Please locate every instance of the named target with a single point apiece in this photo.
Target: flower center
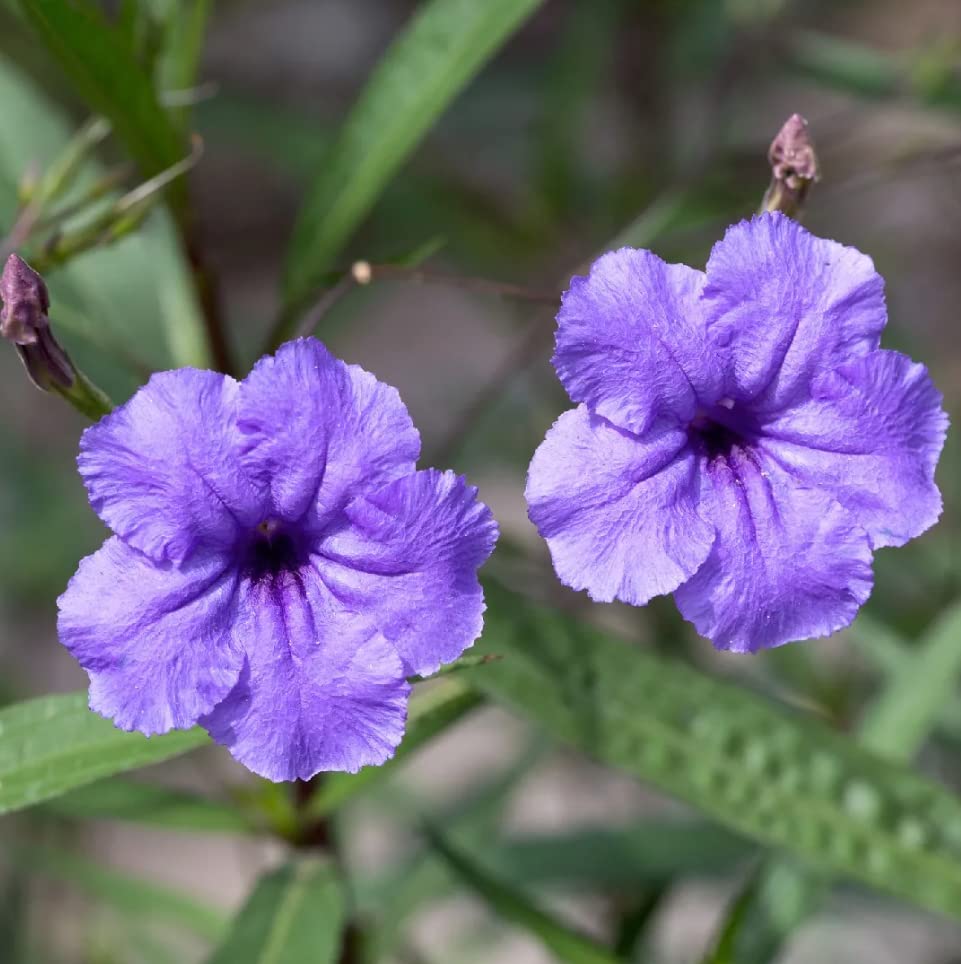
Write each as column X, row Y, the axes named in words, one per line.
column 273, row 548
column 721, row 430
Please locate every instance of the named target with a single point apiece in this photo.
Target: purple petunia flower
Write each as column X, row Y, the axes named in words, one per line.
column 278, row 567
column 742, row 441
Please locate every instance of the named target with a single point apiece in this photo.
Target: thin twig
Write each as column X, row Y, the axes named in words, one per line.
column 104, row 185
column 362, row 273
column 530, row 350
column 161, row 180
column 324, row 304
column 506, row 289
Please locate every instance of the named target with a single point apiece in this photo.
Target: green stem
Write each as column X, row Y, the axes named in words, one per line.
column 86, row 397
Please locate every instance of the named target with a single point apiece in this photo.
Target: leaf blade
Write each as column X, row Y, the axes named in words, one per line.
column 720, row 748
column 295, row 914
column 136, row 295
column 55, row 743
column 428, row 64
column 131, row 895
column 150, row 805
column 895, row 725
column 91, row 53
column 567, row 944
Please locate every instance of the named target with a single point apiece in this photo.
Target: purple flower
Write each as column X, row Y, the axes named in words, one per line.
column 741, row 439
column 278, row 566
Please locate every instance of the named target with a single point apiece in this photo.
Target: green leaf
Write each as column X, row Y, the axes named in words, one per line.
column 147, row 803
column 778, row 778
column 295, row 914
column 53, row 744
column 562, row 941
column 136, row 295
column 725, row 947
column 107, row 76
column 617, row 858
column 431, row 711
column 781, row 895
column 128, row 894
column 612, row 860
column 395, row 894
column 867, row 72
column 428, row 64
column 899, row 721
column 185, row 24
column 892, row 655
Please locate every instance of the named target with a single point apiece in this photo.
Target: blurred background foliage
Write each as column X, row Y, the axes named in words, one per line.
column 608, row 788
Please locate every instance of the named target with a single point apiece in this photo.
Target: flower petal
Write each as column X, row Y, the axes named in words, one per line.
column 871, row 435
column 317, row 692
column 317, row 431
column 620, row 513
column 784, row 305
column 632, row 342
column 157, row 640
column 789, row 563
column 408, row 562
column 163, row 470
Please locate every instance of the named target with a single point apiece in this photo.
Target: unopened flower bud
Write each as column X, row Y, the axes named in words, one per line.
column 794, row 168
column 47, row 364
column 24, row 321
column 25, row 302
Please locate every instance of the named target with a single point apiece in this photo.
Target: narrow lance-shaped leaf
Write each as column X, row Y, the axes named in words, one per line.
column 429, row 63
column 53, row 744
column 133, row 298
column 107, row 76
column 900, row 719
column 618, row 858
column 131, row 895
column 295, row 914
column 869, row 72
column 778, row 778
column 151, row 805
column 782, row 894
column 566, row 944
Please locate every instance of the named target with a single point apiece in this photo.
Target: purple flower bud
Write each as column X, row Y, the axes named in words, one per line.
column 47, row 364
column 25, row 302
column 24, row 321
column 794, row 167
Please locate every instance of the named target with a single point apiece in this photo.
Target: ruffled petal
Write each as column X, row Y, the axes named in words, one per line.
column 621, row 514
column 406, row 559
column 632, row 341
column 157, row 640
column 789, row 563
column 783, row 305
column 163, row 470
column 318, row 691
column 317, row 431
column 871, row 435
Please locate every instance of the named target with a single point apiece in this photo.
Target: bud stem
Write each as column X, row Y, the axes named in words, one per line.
column 86, row 397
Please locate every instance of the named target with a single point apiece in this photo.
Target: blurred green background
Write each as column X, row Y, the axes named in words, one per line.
column 595, row 119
